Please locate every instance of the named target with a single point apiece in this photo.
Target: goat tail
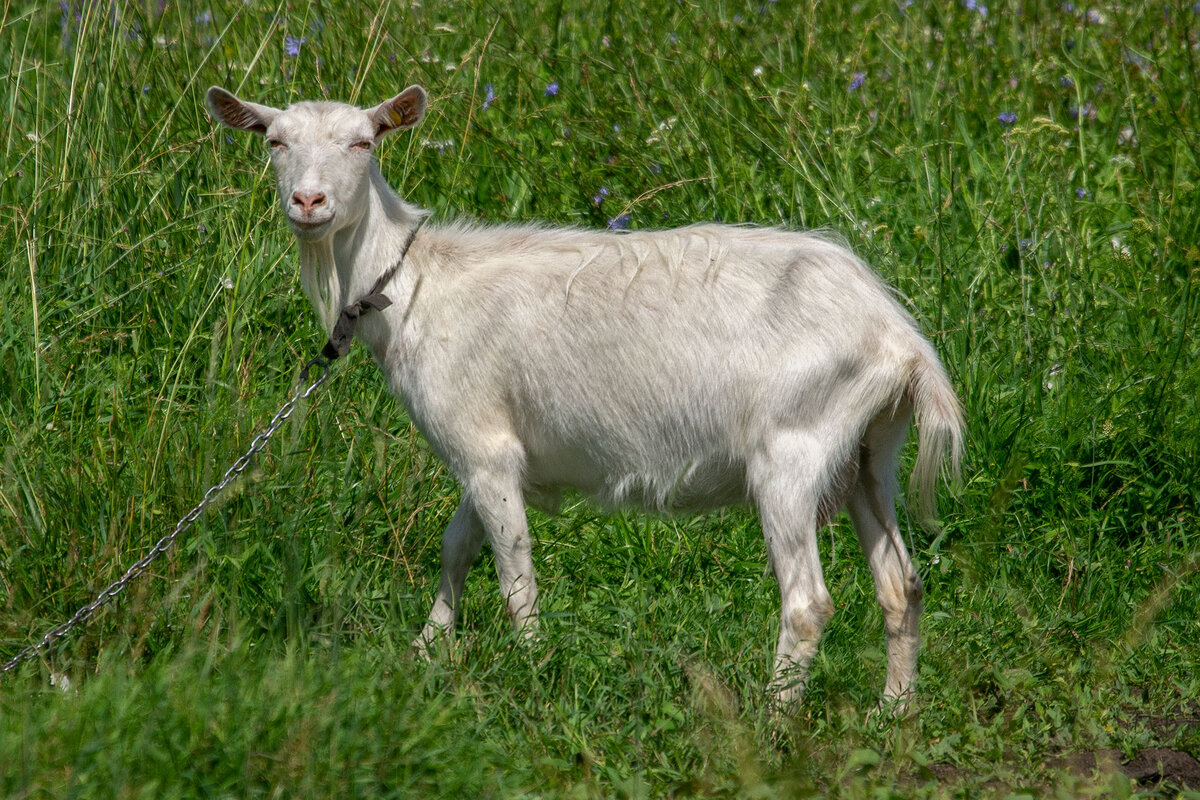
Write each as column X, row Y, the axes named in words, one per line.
column 939, row 421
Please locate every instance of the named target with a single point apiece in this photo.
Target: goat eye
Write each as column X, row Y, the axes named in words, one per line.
column 276, row 144
column 364, row 144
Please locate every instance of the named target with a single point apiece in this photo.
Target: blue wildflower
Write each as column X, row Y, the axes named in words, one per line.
column 552, row 89
column 1007, row 117
column 599, row 196
column 291, row 45
column 488, row 98
column 1086, row 111
column 204, row 18
column 858, row 79
column 620, row 223
column 1081, row 193
column 1066, row 82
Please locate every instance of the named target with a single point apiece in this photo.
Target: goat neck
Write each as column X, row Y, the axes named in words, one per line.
column 341, row 268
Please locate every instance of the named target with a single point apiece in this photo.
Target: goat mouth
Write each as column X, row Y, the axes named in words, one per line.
column 309, row 227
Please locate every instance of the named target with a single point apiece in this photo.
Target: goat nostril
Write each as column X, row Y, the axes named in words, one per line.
column 308, row 202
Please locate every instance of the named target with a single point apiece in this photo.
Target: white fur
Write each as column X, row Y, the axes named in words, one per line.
column 687, row 368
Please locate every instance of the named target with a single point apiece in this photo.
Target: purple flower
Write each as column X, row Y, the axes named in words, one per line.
column 488, row 98
column 1066, row 82
column 620, row 223
column 1081, row 193
column 857, row 80
column 1086, row 111
column 552, row 89
column 599, row 196
column 291, row 45
column 204, row 18
column 1007, row 117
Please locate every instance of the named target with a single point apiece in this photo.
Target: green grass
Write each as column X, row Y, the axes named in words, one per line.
column 152, row 323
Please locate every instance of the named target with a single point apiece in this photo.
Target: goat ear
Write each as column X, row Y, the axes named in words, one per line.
column 229, row 110
column 401, row 112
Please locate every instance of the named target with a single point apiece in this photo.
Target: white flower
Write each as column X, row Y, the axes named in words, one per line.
column 441, row 145
column 662, row 128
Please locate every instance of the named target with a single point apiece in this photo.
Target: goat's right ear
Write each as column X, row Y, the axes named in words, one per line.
column 227, row 109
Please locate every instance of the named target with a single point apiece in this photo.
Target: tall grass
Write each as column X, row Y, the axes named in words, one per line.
column 1027, row 178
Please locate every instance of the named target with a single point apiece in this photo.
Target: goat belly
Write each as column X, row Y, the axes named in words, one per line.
column 704, row 482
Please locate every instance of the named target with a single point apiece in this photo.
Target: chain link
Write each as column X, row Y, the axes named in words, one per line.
column 162, row 545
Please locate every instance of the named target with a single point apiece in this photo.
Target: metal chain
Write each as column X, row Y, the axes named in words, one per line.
column 162, row 545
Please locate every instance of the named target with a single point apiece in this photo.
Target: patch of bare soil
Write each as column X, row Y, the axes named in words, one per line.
column 1161, row 768
column 1152, row 767
column 1156, row 765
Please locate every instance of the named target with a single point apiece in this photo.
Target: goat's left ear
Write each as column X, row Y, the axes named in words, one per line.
column 401, row 112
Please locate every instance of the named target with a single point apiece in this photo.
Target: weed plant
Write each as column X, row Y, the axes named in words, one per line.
column 1025, row 174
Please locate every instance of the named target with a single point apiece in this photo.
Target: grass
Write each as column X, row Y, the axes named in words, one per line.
column 152, row 324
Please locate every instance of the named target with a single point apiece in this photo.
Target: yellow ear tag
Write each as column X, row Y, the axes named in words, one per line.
column 395, row 116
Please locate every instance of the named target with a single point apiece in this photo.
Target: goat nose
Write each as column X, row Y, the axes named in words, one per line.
column 308, row 201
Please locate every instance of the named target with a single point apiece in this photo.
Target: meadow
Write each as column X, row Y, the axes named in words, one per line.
column 1025, row 174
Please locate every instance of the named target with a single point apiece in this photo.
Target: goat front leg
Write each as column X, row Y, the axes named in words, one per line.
column 498, row 500
column 460, row 547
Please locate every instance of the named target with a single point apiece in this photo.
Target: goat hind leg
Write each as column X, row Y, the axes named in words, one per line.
column 897, row 585
column 788, row 501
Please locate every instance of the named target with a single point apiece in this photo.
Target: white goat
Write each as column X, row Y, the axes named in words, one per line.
column 677, row 369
